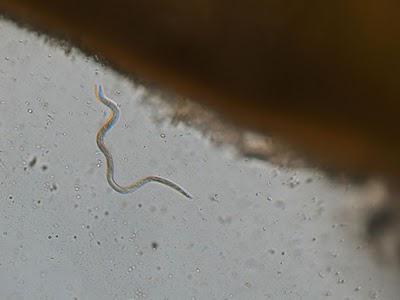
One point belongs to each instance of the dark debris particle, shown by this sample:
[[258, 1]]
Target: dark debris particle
[[44, 168], [32, 163], [49, 237], [106, 213], [140, 205], [379, 222], [154, 245]]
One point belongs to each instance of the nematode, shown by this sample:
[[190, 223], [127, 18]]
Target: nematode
[[112, 119]]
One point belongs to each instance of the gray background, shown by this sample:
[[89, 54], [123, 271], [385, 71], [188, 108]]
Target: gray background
[[253, 231]]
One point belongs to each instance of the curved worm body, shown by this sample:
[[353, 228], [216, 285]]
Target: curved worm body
[[112, 119]]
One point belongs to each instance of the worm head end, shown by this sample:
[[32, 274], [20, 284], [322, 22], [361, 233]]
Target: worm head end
[[101, 94], [188, 195]]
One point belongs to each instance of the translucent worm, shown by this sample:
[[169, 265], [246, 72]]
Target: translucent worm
[[112, 119]]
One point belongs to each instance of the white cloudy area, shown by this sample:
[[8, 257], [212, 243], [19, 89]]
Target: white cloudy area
[[252, 231]]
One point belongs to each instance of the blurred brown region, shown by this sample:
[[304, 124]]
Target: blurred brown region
[[321, 75]]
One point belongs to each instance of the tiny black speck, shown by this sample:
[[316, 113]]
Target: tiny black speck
[[32, 162], [53, 187]]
